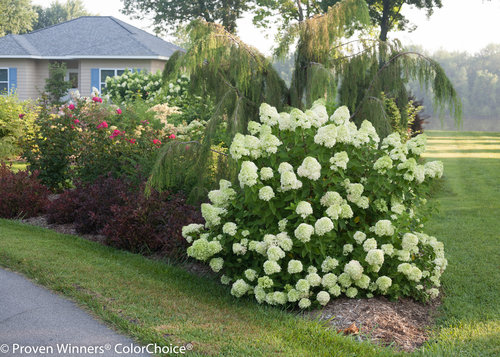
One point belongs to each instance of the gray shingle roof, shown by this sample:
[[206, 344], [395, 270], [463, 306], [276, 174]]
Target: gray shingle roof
[[84, 37]]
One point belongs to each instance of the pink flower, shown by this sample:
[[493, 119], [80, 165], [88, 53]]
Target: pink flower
[[21, 116], [156, 142], [76, 121], [97, 99], [71, 106], [132, 141], [172, 136], [116, 132], [145, 122], [72, 126], [118, 111], [102, 125]]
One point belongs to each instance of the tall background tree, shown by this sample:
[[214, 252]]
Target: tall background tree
[[167, 15], [238, 78], [59, 12], [16, 16]]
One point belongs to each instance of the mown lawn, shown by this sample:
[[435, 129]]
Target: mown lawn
[[156, 302], [469, 225]]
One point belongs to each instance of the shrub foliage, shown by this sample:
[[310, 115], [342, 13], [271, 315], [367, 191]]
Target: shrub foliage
[[323, 209]]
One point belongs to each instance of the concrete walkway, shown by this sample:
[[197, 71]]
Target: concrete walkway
[[37, 322]]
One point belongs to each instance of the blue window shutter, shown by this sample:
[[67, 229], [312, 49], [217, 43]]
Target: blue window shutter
[[12, 79], [94, 79]]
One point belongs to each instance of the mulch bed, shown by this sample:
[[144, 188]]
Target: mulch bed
[[403, 323]]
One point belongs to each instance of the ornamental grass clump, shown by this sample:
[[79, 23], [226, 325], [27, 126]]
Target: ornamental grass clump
[[322, 208]]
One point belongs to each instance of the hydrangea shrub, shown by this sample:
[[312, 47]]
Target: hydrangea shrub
[[322, 209]]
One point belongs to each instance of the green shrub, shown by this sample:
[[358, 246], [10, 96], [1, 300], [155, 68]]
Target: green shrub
[[322, 210], [16, 122]]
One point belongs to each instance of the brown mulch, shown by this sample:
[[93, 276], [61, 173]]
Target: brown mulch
[[403, 323]]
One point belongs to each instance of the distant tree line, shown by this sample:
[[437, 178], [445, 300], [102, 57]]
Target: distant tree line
[[476, 77]]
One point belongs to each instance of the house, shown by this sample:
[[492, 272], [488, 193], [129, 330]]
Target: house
[[93, 48]]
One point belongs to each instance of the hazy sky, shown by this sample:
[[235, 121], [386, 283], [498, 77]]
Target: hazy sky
[[464, 25]]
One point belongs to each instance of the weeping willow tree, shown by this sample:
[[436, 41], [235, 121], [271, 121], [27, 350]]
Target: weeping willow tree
[[359, 73]]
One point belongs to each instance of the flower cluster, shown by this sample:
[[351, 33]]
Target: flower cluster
[[321, 208]]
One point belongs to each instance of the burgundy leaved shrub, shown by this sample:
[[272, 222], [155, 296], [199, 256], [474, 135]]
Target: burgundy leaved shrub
[[151, 224], [21, 193]]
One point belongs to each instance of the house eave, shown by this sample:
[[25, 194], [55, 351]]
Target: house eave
[[81, 57]]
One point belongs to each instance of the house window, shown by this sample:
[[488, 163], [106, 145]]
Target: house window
[[4, 80], [105, 73]]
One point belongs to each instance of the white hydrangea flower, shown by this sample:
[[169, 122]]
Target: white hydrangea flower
[[225, 280], [339, 161], [250, 274], [304, 303], [295, 266], [354, 269], [285, 122], [434, 169], [266, 193], [388, 249], [375, 257], [433, 293], [403, 255], [363, 282], [341, 115], [266, 173], [275, 253], [265, 282], [359, 237], [334, 211], [293, 295], [239, 288], [416, 145], [289, 181], [304, 209], [346, 211], [384, 227], [191, 229], [304, 232], [313, 279], [300, 119], [271, 267], [326, 136], [280, 298], [229, 228], [354, 191], [212, 214], [323, 226], [335, 290], [369, 244], [331, 198], [384, 283], [216, 264], [253, 145], [284, 167], [253, 127], [347, 248], [351, 292], [383, 164], [344, 280], [310, 168], [223, 196], [282, 224], [302, 285], [409, 242], [202, 249], [239, 249], [323, 297], [269, 143], [329, 280], [329, 264], [248, 174], [268, 114], [284, 241], [238, 148]]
